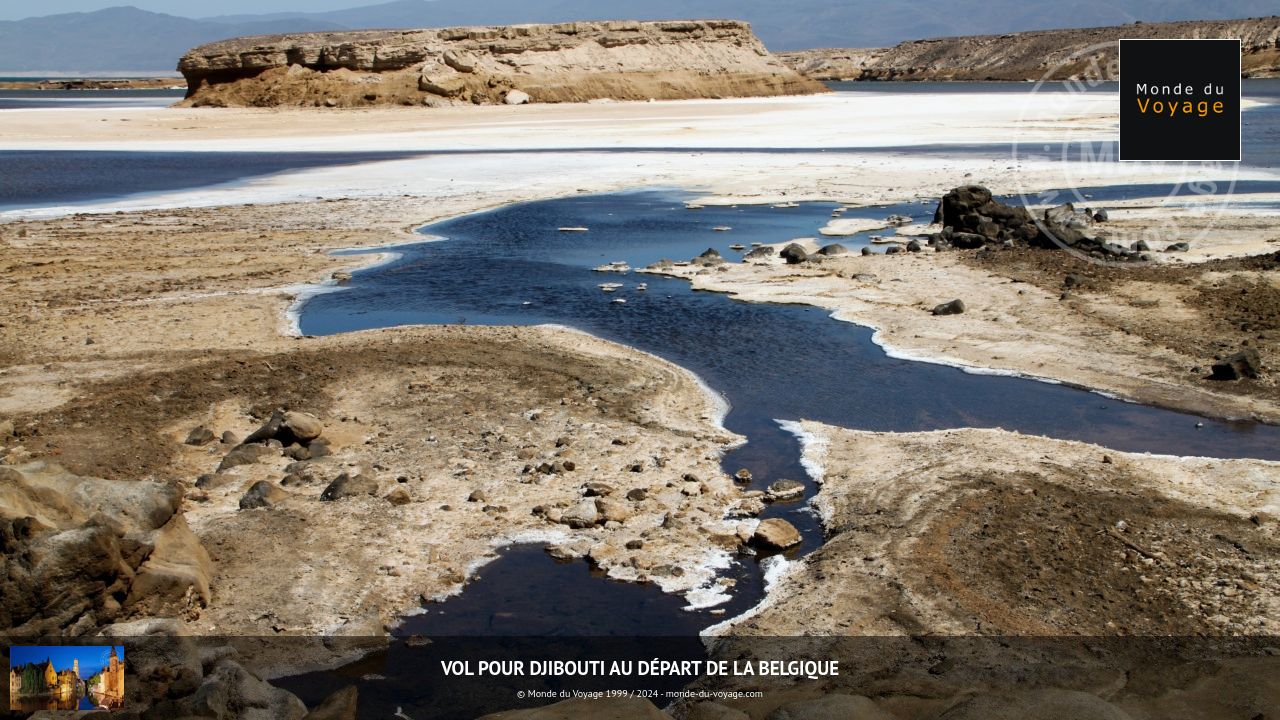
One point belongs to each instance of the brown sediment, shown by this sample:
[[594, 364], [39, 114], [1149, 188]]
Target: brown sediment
[[990, 532], [130, 330]]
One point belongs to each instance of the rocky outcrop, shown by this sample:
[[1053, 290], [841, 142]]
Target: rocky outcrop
[[1055, 54], [971, 218], [568, 62], [81, 552]]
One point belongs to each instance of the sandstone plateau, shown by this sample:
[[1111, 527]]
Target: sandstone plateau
[[1047, 54], [568, 62]]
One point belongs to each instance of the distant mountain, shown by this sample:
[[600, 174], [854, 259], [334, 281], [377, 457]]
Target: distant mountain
[[799, 24], [121, 39], [126, 38]]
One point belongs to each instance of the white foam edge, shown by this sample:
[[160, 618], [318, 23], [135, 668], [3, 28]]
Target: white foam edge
[[812, 447], [719, 403], [524, 537], [776, 569], [378, 256]]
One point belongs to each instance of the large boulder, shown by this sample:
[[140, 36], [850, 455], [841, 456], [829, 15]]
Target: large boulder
[[1245, 364], [303, 426], [776, 534], [794, 254], [583, 515]]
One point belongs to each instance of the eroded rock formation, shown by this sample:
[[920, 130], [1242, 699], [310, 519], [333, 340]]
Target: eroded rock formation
[[1047, 54], [568, 62], [82, 552]]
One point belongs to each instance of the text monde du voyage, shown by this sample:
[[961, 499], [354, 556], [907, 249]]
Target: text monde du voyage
[[1180, 99]]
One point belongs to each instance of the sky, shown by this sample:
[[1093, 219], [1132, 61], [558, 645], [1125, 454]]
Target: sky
[[92, 657], [18, 9]]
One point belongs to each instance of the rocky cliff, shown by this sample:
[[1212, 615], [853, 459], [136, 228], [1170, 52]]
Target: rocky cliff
[[569, 62], [1057, 54]]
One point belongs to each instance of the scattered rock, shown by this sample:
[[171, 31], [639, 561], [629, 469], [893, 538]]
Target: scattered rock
[[597, 489], [583, 515], [955, 307], [893, 250], [914, 246], [269, 430], [230, 438], [1141, 246], [1178, 247], [867, 251], [1101, 216], [247, 455], [611, 510], [319, 448], [776, 534], [304, 426], [760, 253], [742, 476], [346, 486], [794, 254], [966, 240], [6, 428], [785, 490], [200, 435], [833, 249], [516, 97], [709, 257], [398, 497], [637, 494], [1245, 364], [746, 507], [262, 494]]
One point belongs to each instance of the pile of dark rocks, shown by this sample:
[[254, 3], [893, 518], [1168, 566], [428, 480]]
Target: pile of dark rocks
[[971, 219]]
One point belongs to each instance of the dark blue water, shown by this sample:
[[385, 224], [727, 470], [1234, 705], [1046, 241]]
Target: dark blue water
[[49, 99], [511, 266], [771, 361], [31, 179], [44, 178]]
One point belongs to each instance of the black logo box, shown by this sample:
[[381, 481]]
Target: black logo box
[[1193, 62]]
